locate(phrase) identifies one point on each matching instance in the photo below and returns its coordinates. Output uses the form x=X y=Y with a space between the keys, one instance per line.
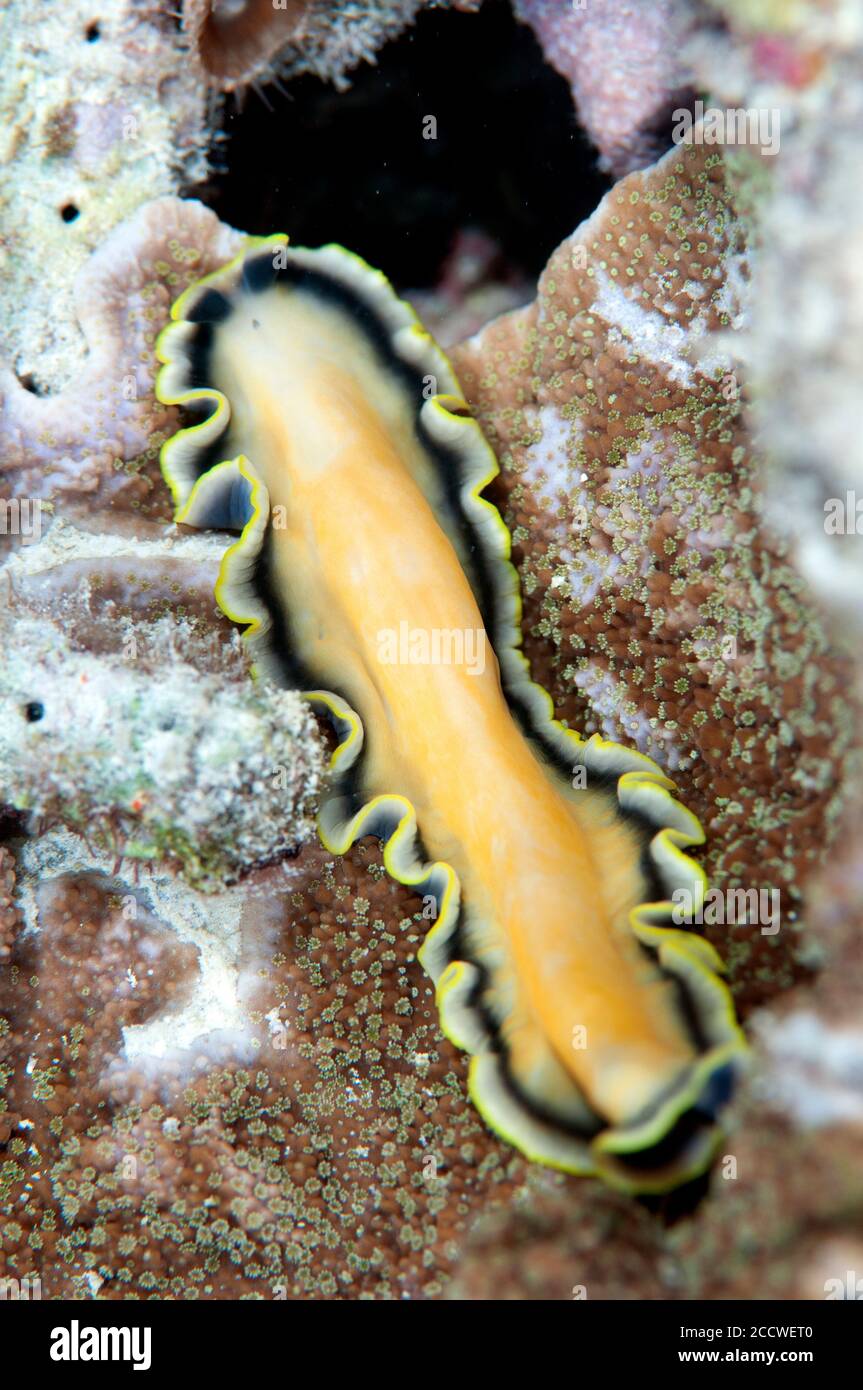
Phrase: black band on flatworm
x=211 y=307
x=259 y=274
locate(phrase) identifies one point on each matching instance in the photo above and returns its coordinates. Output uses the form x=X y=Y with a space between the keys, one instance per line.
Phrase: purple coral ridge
x=622 y=61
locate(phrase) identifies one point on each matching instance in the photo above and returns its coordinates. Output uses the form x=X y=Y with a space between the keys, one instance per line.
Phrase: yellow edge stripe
x=163 y=355
x=405 y=830
x=593 y=1165
x=258 y=504
x=444 y=921
x=448 y=983
x=251 y=244
x=341 y=710
x=666 y=1179
x=637 y=1184
x=640 y=1137
x=531 y=1152
x=178 y=440
x=205 y=479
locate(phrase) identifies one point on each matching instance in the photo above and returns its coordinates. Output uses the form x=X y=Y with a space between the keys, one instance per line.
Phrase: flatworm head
x=330 y=430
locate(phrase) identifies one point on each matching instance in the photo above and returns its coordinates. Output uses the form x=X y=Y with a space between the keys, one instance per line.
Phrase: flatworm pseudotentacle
x=602 y=1038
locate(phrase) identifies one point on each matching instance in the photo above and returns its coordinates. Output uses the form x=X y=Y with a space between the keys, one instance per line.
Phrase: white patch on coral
x=680 y=350
x=609 y=719
x=694 y=289
x=817 y=1071
x=652 y=336
x=550 y=472
x=63 y=542
x=549 y=462
x=646 y=463
x=212 y=925
x=586 y=573
x=214 y=1017
x=734 y=293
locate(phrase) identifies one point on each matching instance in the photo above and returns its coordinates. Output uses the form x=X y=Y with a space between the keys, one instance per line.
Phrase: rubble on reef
x=151 y=757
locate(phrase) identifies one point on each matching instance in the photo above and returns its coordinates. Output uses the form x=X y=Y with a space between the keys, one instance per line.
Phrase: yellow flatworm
x=329 y=428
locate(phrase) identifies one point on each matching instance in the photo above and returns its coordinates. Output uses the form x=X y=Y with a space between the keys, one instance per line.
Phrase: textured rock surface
x=100 y=112
x=99 y=438
x=152 y=757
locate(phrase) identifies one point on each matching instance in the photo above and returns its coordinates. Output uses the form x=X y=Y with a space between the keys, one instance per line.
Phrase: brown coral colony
x=236 y=40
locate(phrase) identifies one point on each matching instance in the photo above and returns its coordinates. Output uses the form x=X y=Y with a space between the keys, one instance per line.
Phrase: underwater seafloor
x=221 y=1070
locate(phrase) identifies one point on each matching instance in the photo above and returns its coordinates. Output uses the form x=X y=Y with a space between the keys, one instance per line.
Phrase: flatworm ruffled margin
x=678 y=1138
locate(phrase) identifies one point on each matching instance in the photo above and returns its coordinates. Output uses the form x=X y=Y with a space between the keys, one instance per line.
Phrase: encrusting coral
x=339 y=1157
x=254 y=42
x=130 y=718
x=99 y=437
x=9 y=915
x=237 y=42
x=669 y=614
x=623 y=63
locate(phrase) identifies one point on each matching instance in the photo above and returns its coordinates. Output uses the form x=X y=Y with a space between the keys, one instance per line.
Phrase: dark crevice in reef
x=354 y=167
